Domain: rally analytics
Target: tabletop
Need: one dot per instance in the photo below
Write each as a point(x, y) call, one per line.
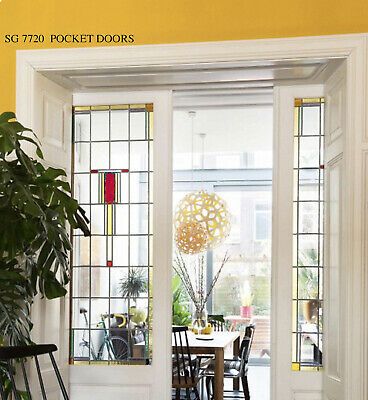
point(220, 340)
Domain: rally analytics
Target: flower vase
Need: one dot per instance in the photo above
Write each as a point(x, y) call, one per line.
point(199, 321)
point(246, 311)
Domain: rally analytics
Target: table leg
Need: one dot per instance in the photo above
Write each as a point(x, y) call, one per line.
point(219, 374)
point(236, 347)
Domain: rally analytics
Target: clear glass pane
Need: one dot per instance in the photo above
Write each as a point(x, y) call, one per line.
point(79, 318)
point(308, 250)
point(98, 250)
point(137, 125)
point(138, 251)
point(124, 187)
point(308, 217)
point(100, 282)
point(139, 156)
point(81, 188)
point(80, 345)
point(99, 307)
point(308, 316)
point(308, 184)
point(139, 187)
point(82, 157)
point(100, 156)
point(94, 188)
point(119, 125)
point(117, 275)
point(121, 251)
point(308, 283)
point(119, 306)
point(138, 219)
point(99, 346)
point(119, 155)
point(296, 152)
point(97, 223)
point(309, 152)
point(82, 127)
point(81, 246)
point(311, 119)
point(100, 124)
point(80, 282)
point(122, 219)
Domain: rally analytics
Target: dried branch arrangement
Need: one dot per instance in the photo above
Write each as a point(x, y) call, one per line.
point(196, 287)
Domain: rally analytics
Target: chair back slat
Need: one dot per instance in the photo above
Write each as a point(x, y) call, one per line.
point(10, 354)
point(40, 380)
point(58, 376)
point(246, 345)
point(217, 322)
point(184, 370)
point(11, 376)
point(25, 378)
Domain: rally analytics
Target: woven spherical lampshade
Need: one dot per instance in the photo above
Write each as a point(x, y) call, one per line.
point(197, 212)
point(191, 237)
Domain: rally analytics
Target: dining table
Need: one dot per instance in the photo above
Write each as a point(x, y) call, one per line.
point(215, 344)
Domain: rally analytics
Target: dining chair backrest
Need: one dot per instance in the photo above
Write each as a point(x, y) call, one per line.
point(184, 369)
point(218, 322)
point(10, 354)
point(246, 345)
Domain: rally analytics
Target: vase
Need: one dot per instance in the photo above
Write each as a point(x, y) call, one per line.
point(199, 321)
point(246, 311)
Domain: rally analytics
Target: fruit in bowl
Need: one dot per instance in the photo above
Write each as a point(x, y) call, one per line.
point(206, 331)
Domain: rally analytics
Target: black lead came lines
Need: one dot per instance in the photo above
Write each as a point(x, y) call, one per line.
point(70, 38)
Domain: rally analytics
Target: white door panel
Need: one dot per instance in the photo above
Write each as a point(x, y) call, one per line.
point(286, 384)
point(140, 382)
point(335, 273)
point(51, 121)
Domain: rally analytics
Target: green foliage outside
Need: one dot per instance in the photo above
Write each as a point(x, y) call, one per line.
point(180, 314)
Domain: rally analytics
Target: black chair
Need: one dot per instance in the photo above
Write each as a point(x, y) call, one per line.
point(8, 356)
point(185, 368)
point(218, 323)
point(236, 367)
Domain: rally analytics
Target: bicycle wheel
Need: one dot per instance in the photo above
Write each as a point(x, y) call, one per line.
point(119, 348)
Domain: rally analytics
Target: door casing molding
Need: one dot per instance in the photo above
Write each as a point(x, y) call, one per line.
point(353, 48)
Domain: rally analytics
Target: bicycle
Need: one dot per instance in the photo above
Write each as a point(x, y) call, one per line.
point(113, 348)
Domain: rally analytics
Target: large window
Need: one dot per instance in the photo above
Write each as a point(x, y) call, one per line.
point(308, 234)
point(112, 269)
point(229, 151)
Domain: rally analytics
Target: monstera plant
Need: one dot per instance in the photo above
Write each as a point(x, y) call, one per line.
point(36, 213)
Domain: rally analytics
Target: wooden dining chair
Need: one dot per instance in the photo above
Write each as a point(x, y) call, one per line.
point(236, 367)
point(185, 368)
point(10, 354)
point(218, 322)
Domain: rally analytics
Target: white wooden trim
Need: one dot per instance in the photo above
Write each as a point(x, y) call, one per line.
point(352, 47)
point(283, 380)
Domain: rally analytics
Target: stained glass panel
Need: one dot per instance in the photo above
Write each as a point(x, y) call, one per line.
point(111, 290)
point(308, 235)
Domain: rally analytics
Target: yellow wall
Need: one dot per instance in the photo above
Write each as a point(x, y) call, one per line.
point(171, 21)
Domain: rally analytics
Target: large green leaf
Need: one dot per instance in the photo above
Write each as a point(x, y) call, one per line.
point(35, 210)
point(6, 116)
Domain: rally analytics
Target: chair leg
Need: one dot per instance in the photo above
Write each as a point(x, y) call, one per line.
point(197, 396)
point(177, 394)
point(187, 393)
point(244, 380)
point(208, 387)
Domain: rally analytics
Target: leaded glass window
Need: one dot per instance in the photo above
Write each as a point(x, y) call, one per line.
point(112, 270)
point(308, 234)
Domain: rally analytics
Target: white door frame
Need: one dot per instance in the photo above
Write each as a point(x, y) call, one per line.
point(351, 47)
